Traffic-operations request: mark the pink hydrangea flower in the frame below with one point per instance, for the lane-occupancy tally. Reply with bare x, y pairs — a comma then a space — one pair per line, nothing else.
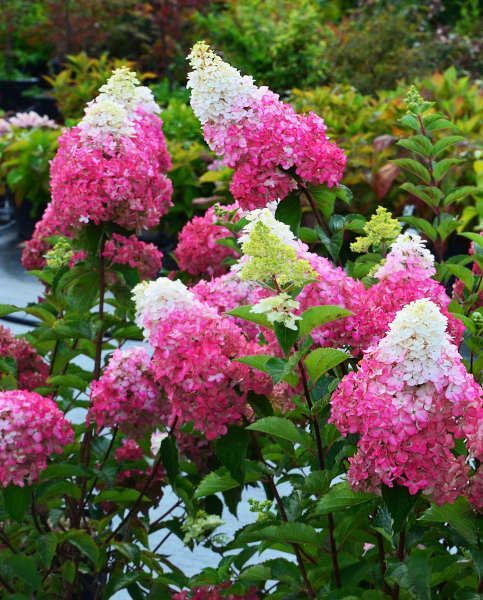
409, 400
144, 257
32, 370
119, 180
459, 286
126, 394
198, 251
214, 592
31, 120
405, 276
32, 428
257, 134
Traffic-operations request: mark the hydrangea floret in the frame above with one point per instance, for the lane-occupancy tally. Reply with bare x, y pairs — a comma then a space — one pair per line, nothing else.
257, 134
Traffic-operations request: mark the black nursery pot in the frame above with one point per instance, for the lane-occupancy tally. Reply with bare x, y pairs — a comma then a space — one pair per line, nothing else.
11, 93
25, 223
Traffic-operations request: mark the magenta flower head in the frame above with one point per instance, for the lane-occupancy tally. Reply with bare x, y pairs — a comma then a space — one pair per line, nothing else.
257, 134
410, 399
32, 428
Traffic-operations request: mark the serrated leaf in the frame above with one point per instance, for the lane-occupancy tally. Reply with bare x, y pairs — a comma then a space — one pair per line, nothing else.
446, 142
17, 500
221, 480
244, 312
316, 316
286, 533
286, 337
84, 543
462, 273
419, 574
460, 193
317, 482
169, 457
415, 168
459, 516
321, 360
421, 192
410, 121
399, 502
231, 450
421, 224
46, 548
289, 212
419, 144
340, 497
277, 427
441, 168
23, 568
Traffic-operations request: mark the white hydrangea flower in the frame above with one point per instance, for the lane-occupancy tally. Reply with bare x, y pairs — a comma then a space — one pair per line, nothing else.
279, 309
415, 341
267, 217
124, 88
406, 246
153, 299
103, 117
218, 90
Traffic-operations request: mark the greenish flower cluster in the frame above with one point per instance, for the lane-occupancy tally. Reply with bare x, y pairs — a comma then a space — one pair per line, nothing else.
381, 230
195, 528
271, 259
60, 254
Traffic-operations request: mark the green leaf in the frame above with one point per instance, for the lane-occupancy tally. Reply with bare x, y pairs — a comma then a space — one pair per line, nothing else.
244, 312
169, 456
23, 568
399, 502
446, 142
421, 224
459, 516
319, 315
474, 237
84, 543
321, 360
415, 168
307, 235
57, 489
277, 427
441, 168
317, 482
231, 450
436, 122
68, 381
46, 548
7, 309
419, 574
340, 497
410, 121
221, 480
423, 192
258, 361
17, 500
460, 193
286, 533
286, 337
462, 273
419, 144
289, 212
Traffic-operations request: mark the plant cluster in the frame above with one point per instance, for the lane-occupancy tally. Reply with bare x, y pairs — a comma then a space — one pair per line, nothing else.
325, 361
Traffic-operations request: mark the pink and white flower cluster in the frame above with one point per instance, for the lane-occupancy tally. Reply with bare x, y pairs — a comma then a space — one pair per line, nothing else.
257, 134
32, 428
410, 399
193, 360
198, 251
108, 171
126, 396
32, 370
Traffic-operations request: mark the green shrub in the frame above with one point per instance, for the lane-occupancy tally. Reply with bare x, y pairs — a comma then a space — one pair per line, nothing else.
281, 43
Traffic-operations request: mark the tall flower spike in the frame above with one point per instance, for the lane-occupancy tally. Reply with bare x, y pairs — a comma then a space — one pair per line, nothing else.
262, 138
409, 401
